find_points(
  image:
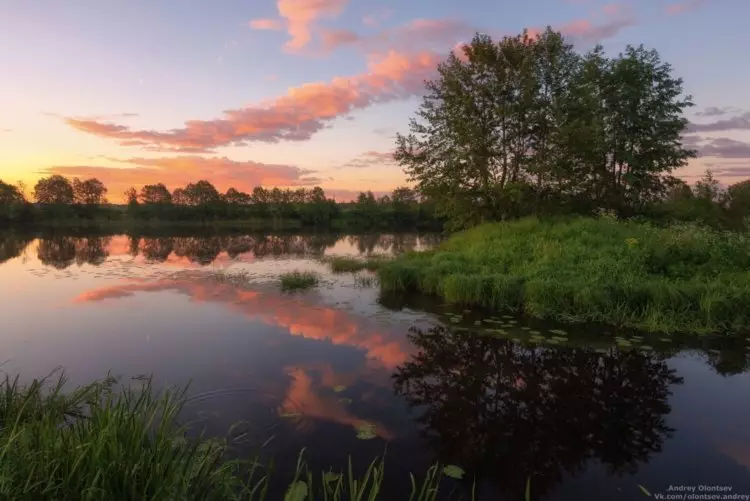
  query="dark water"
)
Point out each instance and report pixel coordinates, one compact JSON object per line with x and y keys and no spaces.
{"x":588,"y":413}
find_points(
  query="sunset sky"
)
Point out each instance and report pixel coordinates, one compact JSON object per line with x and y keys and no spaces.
{"x":305,"y":92}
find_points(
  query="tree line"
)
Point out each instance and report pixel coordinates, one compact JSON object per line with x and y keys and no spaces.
{"x":528,"y":125}
{"x":58,"y":198}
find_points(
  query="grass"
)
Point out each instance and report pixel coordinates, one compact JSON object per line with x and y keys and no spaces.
{"x":298,"y":280}
{"x":676,"y":279}
{"x":96,"y":443}
{"x":343,"y":264}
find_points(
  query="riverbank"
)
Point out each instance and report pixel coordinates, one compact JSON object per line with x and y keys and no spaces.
{"x":674,"y":279}
{"x":103,"y":442}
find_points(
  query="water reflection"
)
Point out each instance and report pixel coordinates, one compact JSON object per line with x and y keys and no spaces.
{"x":504,"y":410}
{"x":61,"y":251}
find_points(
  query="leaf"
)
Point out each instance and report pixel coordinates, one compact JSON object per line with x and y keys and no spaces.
{"x":339,"y":388}
{"x":644,"y":490}
{"x":330,"y":476}
{"x":453,"y":471}
{"x":296,"y":492}
{"x":289,"y":415}
{"x":366,"y":431}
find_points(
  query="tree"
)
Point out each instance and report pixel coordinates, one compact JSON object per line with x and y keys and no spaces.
{"x":155,"y":194}
{"x":89,"y":192}
{"x":260,"y":195}
{"x":236,"y":197}
{"x":707,"y":188}
{"x":404,"y":196}
{"x":10,"y":195}
{"x":179,"y":197}
{"x":201,"y":193}
{"x":527,"y":120}
{"x":55,"y":189}
{"x":131,"y":196}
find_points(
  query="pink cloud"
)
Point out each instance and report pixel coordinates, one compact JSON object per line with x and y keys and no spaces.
{"x":374,"y":19}
{"x":301,"y":15}
{"x":266,"y":24}
{"x":682,"y":7}
{"x":297,"y":116}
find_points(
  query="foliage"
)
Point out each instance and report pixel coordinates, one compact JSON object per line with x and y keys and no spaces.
{"x":528,"y":125}
{"x":95,"y":443}
{"x":89,"y":192}
{"x":682,"y":278}
{"x":342,"y":264}
{"x":55,"y":189}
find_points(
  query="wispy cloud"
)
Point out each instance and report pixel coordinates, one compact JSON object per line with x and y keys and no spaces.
{"x":682,"y":7}
{"x":299,"y":18}
{"x":714,"y":111}
{"x":737,"y":122}
{"x":371,"y":159}
{"x":296,"y":116}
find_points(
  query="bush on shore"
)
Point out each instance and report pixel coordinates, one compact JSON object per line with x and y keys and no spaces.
{"x":681,"y":278}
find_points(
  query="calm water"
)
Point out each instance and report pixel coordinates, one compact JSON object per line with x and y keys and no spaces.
{"x":589,"y":413}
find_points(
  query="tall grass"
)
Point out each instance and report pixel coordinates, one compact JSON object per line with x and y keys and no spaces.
{"x":101,"y":442}
{"x":343,"y":264}
{"x":681,"y":278}
{"x":298,"y":280}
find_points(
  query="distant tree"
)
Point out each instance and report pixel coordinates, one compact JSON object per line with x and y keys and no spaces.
{"x":316,"y":195}
{"x":89,"y":192}
{"x":55,"y":189}
{"x":366,"y":198}
{"x":404,"y":195}
{"x":10,"y":195}
{"x":201,"y":193}
{"x":179,"y":197}
{"x":739,"y":199}
{"x":235,"y":197}
{"x":260,"y":195}
{"x":677,"y":190}
{"x":131,"y":196}
{"x":708,"y":188}
{"x":155,"y":194}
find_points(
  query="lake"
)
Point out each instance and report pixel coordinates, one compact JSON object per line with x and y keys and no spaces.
{"x":588,"y":412}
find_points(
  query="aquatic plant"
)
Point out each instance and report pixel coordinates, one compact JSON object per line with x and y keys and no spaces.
{"x":344,"y":264}
{"x":680,"y":278}
{"x":101,"y":441}
{"x":298,"y":280}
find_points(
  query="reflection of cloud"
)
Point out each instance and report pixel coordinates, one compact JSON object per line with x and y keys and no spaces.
{"x":300,"y":318}
{"x":304,"y":397}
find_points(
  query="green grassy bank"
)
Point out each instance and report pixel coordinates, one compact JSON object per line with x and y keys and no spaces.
{"x":102,"y":442}
{"x":674,"y":279}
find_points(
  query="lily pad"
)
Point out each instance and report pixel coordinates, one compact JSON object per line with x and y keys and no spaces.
{"x":297,"y":492}
{"x":366,"y":431}
{"x":345,"y":401}
{"x":290,"y":415}
{"x":339,"y":388}
{"x":559,"y":332}
{"x":477,"y":322}
{"x":453,"y":471}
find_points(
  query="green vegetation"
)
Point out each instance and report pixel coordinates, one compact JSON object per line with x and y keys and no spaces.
{"x":343,"y":264}
{"x":681,"y":278}
{"x":298,"y":280}
{"x":60,"y":202}
{"x":528,"y":125}
{"x":95,"y":443}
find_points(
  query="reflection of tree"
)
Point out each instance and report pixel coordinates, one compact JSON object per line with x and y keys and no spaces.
{"x":59,"y":252}
{"x":135,"y":243}
{"x":12,"y":245}
{"x":91,"y":250}
{"x":157,"y":249}
{"x":728,"y":355}
{"x":201,"y":250}
{"x":508,"y":411}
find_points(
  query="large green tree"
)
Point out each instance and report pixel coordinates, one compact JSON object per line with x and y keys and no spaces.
{"x":527,"y":124}
{"x":89,"y":192}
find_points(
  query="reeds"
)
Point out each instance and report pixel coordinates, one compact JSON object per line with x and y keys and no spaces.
{"x":681,"y":278}
{"x":298,"y":280}
{"x":101,"y":442}
{"x":343,"y":264}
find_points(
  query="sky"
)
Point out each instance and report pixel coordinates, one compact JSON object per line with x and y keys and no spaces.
{"x":297,"y":93}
